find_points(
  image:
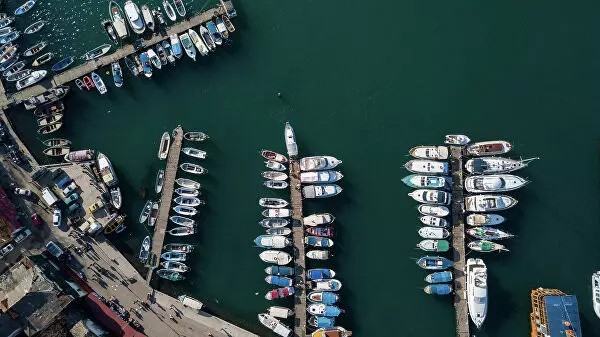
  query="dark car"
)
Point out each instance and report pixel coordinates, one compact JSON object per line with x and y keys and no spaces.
{"x":36,"y":220}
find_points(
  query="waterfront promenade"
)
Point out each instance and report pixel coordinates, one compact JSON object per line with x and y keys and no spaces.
{"x":299,"y":254}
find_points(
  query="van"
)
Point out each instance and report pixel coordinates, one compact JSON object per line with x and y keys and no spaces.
{"x":64,"y":182}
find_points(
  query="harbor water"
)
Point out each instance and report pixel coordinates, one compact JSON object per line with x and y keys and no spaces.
{"x":364,"y":82}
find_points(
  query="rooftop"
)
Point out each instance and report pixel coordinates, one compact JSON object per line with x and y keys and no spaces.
{"x":563,"y":315}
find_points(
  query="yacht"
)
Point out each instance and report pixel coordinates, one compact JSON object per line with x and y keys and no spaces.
{"x":134,"y":17}
{"x":477,"y":294}
{"x":596,"y":292}
{"x":494,"y":183}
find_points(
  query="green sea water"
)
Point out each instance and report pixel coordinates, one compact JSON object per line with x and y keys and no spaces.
{"x":363,"y":81}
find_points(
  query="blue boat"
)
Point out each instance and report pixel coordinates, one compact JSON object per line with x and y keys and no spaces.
{"x":321,"y":322}
{"x":174,"y":256}
{"x":176,"y":46}
{"x":320,"y":274}
{"x":214,"y":33}
{"x":434,"y":263}
{"x":316,"y":241}
{"x":280,"y":270}
{"x":63,"y":64}
{"x":438,"y":289}
{"x":117,"y":74}
{"x":10,"y":37}
{"x":423,"y":181}
{"x":9,"y":63}
{"x":24,"y":8}
{"x":272,"y":241}
{"x":167,"y":47}
{"x":146,"y":65}
{"x":330,"y":285}
{"x":279,"y":281}
{"x":324,"y":297}
{"x":439,"y":277}
{"x":319,"y":309}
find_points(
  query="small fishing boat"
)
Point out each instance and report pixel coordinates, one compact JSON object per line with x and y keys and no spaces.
{"x":146,"y":65}
{"x":434,"y":263}
{"x":431,"y":245}
{"x":188,"y":183}
{"x":6,"y":21}
{"x":318,"y":219}
{"x":117,"y":74}
{"x":63,"y":64}
{"x":279,"y":231}
{"x":214,"y":33}
{"x":188,"y":46}
{"x":80,"y":84}
{"x":273,"y":165}
{"x":202,"y":49}
{"x":494,"y":183}
{"x":159,"y":182}
{"x":274,"y":325}
{"x":180,"y":7}
{"x":434,"y":221}
{"x":50,"y":119}
{"x":185,"y":210}
{"x":170,"y":275}
{"x":490,"y":148}
{"x":176,"y":45}
{"x":457,"y":140}
{"x":438,"y":289}
{"x":484,"y":219}
{"x":320,"y":309}
{"x":431,"y":196}
{"x":49,"y":109}
{"x":89,"y":84}
{"x":97,"y":52}
{"x":115,"y":197}
{"x":318,"y":254}
{"x":274,"y":222}
{"x":163,"y":149}
{"x":153,"y":215}
{"x":174,"y":256}
{"x":326,"y":232}
{"x":131,"y":65}
{"x":192,"y":152}
{"x":320,"y":274}
{"x":488,"y":233}
{"x":276,"y":257}
{"x":277,"y":213}
{"x":433,"y":233}
{"x":145,"y":249}
{"x":484,"y":246}
{"x":154,"y":59}
{"x":273,"y":156}
{"x":49,"y":128}
{"x":80,"y":156}
{"x":279,"y":281}
{"x":279,"y":293}
{"x":337,"y":331}
{"x":488,"y":165}
{"x":169,"y":10}
{"x":273,"y":202}
{"x":6,"y":65}
{"x":321,"y":191}
{"x":280,"y":312}
{"x":187,"y":192}
{"x":439,"y":277}
{"x":477,"y":293}
{"x":228,"y":24}
{"x":56,"y":142}
{"x":175,"y":266}
{"x":24,"y":8}
{"x":7,"y":52}
{"x":321,"y":322}
{"x":320,"y":177}
{"x":167,"y":47}
{"x":423,"y":181}
{"x":188,"y":201}
{"x":325,"y":297}
{"x":196,"y":136}
{"x":596,"y":292}
{"x":274,"y":175}
{"x":145,"y":211}
{"x":162,"y":54}
{"x":224,"y":32}
{"x":317,"y":241}
{"x":279,"y":270}
{"x":433,"y":210}
{"x":326,"y":285}
{"x":6,"y":30}
{"x":489,"y":203}
{"x":32,"y":79}
{"x":426,"y":166}
{"x":275,"y":184}
{"x":193,"y":168}
{"x":178,"y":247}
{"x":56,"y":151}
{"x":107,"y":171}
{"x":118,"y":19}
{"x":20,"y":75}
{"x":99,"y":83}
{"x":42,"y":59}
{"x":35,"y":27}
{"x":182,"y":221}
{"x":208,"y":41}
{"x":134,"y":17}
{"x":147,"y":16}
{"x":318,"y":163}
{"x":429,"y":152}
{"x":181,"y":231}
{"x":159,"y":17}
{"x":50,"y":95}
{"x":110,"y":31}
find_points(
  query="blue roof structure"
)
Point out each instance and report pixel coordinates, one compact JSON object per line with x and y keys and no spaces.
{"x":563,"y":315}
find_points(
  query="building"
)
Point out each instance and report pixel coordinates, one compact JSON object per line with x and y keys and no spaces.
{"x":8,"y":217}
{"x":554,"y":313}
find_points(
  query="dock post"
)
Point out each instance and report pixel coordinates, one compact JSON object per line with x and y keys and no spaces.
{"x":299,"y":255}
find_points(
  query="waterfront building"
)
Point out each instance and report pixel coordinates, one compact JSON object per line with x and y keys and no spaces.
{"x":8,"y":217}
{"x":554,"y":313}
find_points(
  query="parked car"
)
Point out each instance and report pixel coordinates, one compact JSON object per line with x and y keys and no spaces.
{"x":7,"y":249}
{"x":21,"y":234}
{"x":71,"y":198}
{"x":56,"y":217}
{"x":70,"y":188}
{"x":96,"y":206}
{"x":22,"y":191}
{"x":36,"y":220}
{"x":53,"y":249}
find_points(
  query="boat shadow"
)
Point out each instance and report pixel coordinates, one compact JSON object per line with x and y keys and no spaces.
{"x":498,"y":313}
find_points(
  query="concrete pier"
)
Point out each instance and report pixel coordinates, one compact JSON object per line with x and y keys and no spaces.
{"x":299,"y":254}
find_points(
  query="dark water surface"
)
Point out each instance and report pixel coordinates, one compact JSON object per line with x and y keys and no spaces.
{"x":364,"y":81}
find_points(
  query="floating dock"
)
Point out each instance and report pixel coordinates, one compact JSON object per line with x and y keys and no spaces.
{"x":299,"y":254}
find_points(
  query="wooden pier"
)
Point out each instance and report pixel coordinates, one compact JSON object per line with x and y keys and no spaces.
{"x":458,"y":243}
{"x":71,"y":74}
{"x":165,"y":200}
{"x":299,"y":254}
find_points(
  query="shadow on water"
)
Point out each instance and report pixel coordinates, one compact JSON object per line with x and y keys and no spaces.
{"x":500,"y":311}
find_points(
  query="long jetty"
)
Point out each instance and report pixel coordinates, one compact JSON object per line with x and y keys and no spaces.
{"x":7,"y":100}
{"x":165,"y":200}
{"x":458,"y":243}
{"x":299,"y":256}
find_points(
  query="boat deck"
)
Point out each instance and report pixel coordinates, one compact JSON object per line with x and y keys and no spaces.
{"x":458,"y":243}
{"x":299,"y":254}
{"x":165,"y":200}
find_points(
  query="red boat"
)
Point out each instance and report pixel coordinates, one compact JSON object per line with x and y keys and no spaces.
{"x":279,"y":293}
{"x":89,"y":84}
{"x":326,"y":232}
{"x":274,"y":156}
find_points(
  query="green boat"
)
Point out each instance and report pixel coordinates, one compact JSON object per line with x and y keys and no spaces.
{"x":434,"y":245}
{"x":485,"y":246}
{"x":170,"y":275}
{"x":423,"y":181}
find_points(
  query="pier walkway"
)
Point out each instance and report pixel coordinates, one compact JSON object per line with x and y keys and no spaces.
{"x":299,"y":255}
{"x":165,"y":200}
{"x":458,"y":243}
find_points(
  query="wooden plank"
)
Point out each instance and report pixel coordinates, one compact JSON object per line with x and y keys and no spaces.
{"x":299,"y":254}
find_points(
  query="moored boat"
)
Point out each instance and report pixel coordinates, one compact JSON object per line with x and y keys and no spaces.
{"x":222,"y":29}
{"x":429,"y":152}
{"x":163,"y":148}
{"x":167,"y":47}
{"x":494,"y":183}
{"x":273,"y":165}
{"x":488,"y":233}
{"x":63,"y":64}
{"x":115,"y":197}
{"x":197,"y":40}
{"x":147,"y":16}
{"x":206,"y":38}
{"x":180,"y":7}
{"x":15,"y":68}
{"x":49,"y":128}
{"x":276,"y":184}
{"x":56,"y":142}
{"x":181,"y":231}
{"x":317,"y":241}
{"x":457,"y":140}
{"x":484,"y":246}
{"x":118,"y":19}
{"x":32,"y":79}
{"x":279,"y":270}
{"x":596,"y":292}
{"x":274,"y":324}
{"x":274,"y":156}
{"x":52,"y":94}
{"x":145,"y":211}
{"x":110,"y":31}
{"x":169,"y":10}
{"x":162,"y":54}
{"x":35,"y":27}
{"x":154,"y":59}
{"x":487,"y":165}
{"x":484,"y":219}
{"x":325,"y":297}
{"x":431,"y":196}
{"x":97,"y":52}
{"x":185,"y":210}
{"x":178,"y":247}
{"x":326,"y":232}
{"x":274,"y":222}
{"x":99,"y":83}
{"x":188,"y":201}
{"x":276,"y":257}
{"x":182,"y":221}
{"x":318,"y":254}
{"x":318,"y":322}
{"x":439,"y":277}
{"x":326,"y":285}
{"x":320,"y":274}
{"x":19,"y":75}
{"x":160,"y":181}
{"x":280,"y":312}
{"x":318,"y":163}
{"x":187,"y":192}
{"x":280,"y":281}
{"x":153,"y":214}
{"x":318,"y":219}
{"x":430,"y":245}
{"x":423,"y":181}
{"x":434,"y":221}
{"x":214,"y":33}
{"x":489,"y":202}
{"x":117,"y":74}
{"x":56,"y":151}
{"x":80,"y":156}
{"x":337,"y":331}
{"x":320,"y":309}
{"x":192,"y":152}
{"x":36,"y":48}
{"x":228,"y":24}
{"x":134,"y":17}
{"x":176,"y":45}
{"x":434,"y":263}
{"x":273,"y":202}
{"x":195,"y":136}
{"x":426,"y":166}
{"x":89,"y":84}
{"x":433,"y":233}
{"x":274,"y":175}
{"x":321,"y":191}
{"x":188,"y":46}
{"x":320,"y":177}
{"x":438,"y":289}
{"x":174,"y":256}
{"x":5,"y":21}
{"x":490,"y":148}
{"x":193,"y":168}
{"x":279,"y":231}
{"x":146,"y":65}
{"x":170,"y":275}
{"x":176,"y":266}
{"x":50,"y":108}
{"x":55,"y":118}
{"x":42,"y":59}
{"x":145,"y":249}
{"x":24,"y":8}
{"x":288,"y":132}
{"x":188,"y":183}
{"x":277,"y":213}
{"x":477,"y":293}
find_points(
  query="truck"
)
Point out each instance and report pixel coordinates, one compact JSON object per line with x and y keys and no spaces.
{"x":49,"y":196}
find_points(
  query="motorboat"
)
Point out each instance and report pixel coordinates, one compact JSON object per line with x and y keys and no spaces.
{"x":56,"y":142}
{"x":326,"y":232}
{"x":596,"y":292}
{"x":280,"y":312}
{"x":57,"y":151}
{"x":167,"y":47}
{"x":491,"y":165}
{"x":318,"y":254}
{"x":118,"y":19}
{"x":489,"y":203}
{"x":197,"y":40}
{"x":431,"y":196}
{"x":170,"y":275}
{"x":49,"y":109}
{"x":424,"y":181}
{"x":484,"y":246}
{"x":279,"y":270}
{"x":19,"y":75}
{"x":320,"y":309}
{"x":494,"y":183}
{"x":318,"y":219}
{"x":434,"y":221}
{"x":185,"y":210}
{"x":324,"y":285}
{"x":318,"y":322}
{"x":429,"y":152}
{"x":107,"y":171}
{"x":274,"y":175}
{"x":147,"y":16}
{"x":477,"y":292}
{"x":321,"y":191}
{"x":180,"y":7}
{"x":317,"y":241}
{"x":434,"y":263}
{"x":274,"y":222}
{"x":47,"y":57}
{"x":182,"y":221}
{"x":274,"y":324}
{"x":325,"y":297}
{"x":273,"y":202}
{"x":433,"y":233}
{"x":188,"y":201}
{"x":484,"y":219}
{"x":176,"y":45}
{"x":434,"y":245}
{"x":162,"y":54}
{"x":163,"y":148}
{"x":337,"y":331}
{"x":154,"y":59}
{"x":115,"y":197}
{"x":97,"y":52}
{"x":174,"y":256}
{"x":176,"y":266}
{"x":117,"y":74}
{"x":188,"y":183}
{"x":24,"y":8}
{"x":52,"y":94}
{"x":110,"y":31}
{"x":276,"y":184}
{"x":214,"y":33}
{"x":427,"y":166}
{"x":32,"y":79}
{"x":49,"y":128}
{"x":192,"y":152}
{"x":273,"y":165}
{"x":320,"y":177}
{"x":222,"y":29}
{"x":274,"y":156}
{"x":459,"y":140}
{"x":228,"y":24}
{"x":276,"y":257}
{"x":488,"y":233}
{"x":145,"y":211}
{"x":181,"y":231}
{"x":272,"y":241}
{"x":178,"y":247}
{"x":146,"y":65}
{"x":277,"y":213}
{"x":187,"y":192}
{"x":35,"y":27}
{"x":438,"y":289}
{"x":99,"y":83}
{"x":145,"y":249}
{"x":169,"y":10}
{"x":439,"y":277}
{"x":134,"y":17}
{"x":80,"y":156}
{"x":490,"y":148}
{"x":7,"y":65}
{"x":153,"y":215}
{"x":318,"y":163}
{"x":195,"y":136}
{"x":279,"y":231}
{"x":131,"y":65}
{"x":206,"y":38}
{"x":49,"y":119}
{"x":188,"y":46}
{"x":160,"y":181}
{"x":288,"y":133}
{"x":63,"y":64}
{"x":193,"y":168}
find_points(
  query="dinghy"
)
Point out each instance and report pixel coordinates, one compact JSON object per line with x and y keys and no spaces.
{"x":115,"y":197}
{"x":187,"y":192}
{"x":145,"y":249}
{"x":325,"y":285}
{"x":182,"y":221}
{"x":188,"y":201}
{"x":279,"y":293}
{"x":316,"y":241}
{"x":280,"y":312}
{"x":318,"y":219}
{"x":174,"y":256}
{"x":320,"y":309}
{"x":160,"y":181}
{"x":484,"y":219}
{"x":273,"y":165}
{"x":488,"y":233}
{"x":434,"y":263}
{"x":273,"y":156}
{"x":274,"y":175}
{"x":431,"y":197}
{"x":490,"y":148}
{"x":320,"y":177}
{"x":275,"y":257}
{"x":318,"y":254}
{"x":185,"y":210}
{"x":49,"y":119}
{"x":274,"y":223}
{"x":56,"y":142}
{"x":457,"y":140}
{"x":97,"y":52}
{"x":423,"y":181}
{"x":324,"y":297}
{"x":430,"y":245}
{"x":319,"y":163}
{"x":321,"y":191}
{"x":320,"y":274}
{"x":426,"y":166}
{"x":169,"y":10}
{"x":277,"y":213}
{"x":24,"y":8}
{"x":170,"y":275}
{"x":145,"y":211}
{"x":279,"y":281}
{"x":494,"y":183}
{"x":153,"y":214}
{"x":192,"y":152}
{"x":181,"y":231}
{"x":187,"y":183}
{"x":489,"y":203}
{"x":279,"y":270}
{"x":429,"y":152}
{"x":49,"y":128}
{"x":79,"y":84}
{"x":279,"y":231}
{"x":272,"y":241}
{"x":175,"y":266}
{"x":438,"y":289}
{"x":63,"y":64}
{"x":206,"y":38}
{"x":180,"y":7}
{"x":196,"y":136}
{"x":439,"y":277}
{"x":273,"y":202}
{"x":274,"y":325}
{"x":489,"y":165}
{"x":484,"y":246}
{"x":326,"y":232}
{"x":321,"y":322}
{"x":433,"y":233}
{"x":178,"y":247}
{"x":434,"y":221}
{"x":193,"y":168}
{"x":477,"y":293}
{"x":56,"y":151}
{"x":275,"y":184}
{"x":188,"y":46}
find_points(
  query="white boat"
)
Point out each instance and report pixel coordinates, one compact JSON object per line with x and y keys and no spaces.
{"x":196,"y":136}
{"x":274,"y":222}
{"x":182,"y":221}
{"x":274,"y":325}
{"x":435,"y":210}
{"x":429,"y":152}
{"x":147,"y":15}
{"x":272,"y":241}
{"x":134,"y":17}
{"x":490,"y":148}
{"x":276,"y":257}
{"x":154,"y":59}
{"x":187,"y":183}
{"x":318,"y":219}
{"x":434,"y":221}
{"x":318,"y":254}
{"x":193,"y":168}
{"x":317,"y":163}
{"x":188,"y":201}
{"x":32,"y":79}
{"x":188,"y":46}
{"x":153,"y":215}
{"x":280,"y":312}
{"x":206,"y":38}
{"x":197,"y":40}
{"x":279,"y":231}
{"x":115,"y":197}
{"x":160,"y":181}
{"x":273,"y":165}
{"x":487,"y":165}
{"x":431,"y":197}
{"x":290,"y":140}
{"x":277,"y":213}
{"x":477,"y":293}
{"x":494,"y":183}
{"x":192,"y":152}
{"x":484,"y":219}
{"x":273,"y":202}
{"x":163,"y":149}
{"x":489,"y":202}
{"x":457,"y":140}
{"x":185,"y":210}
{"x":118,"y":20}
{"x":433,"y":233}
{"x":426,"y":166}
{"x":106,"y":170}
{"x":187,"y":192}
{"x":175,"y":266}
{"x":276,"y":184}
{"x":596,"y":292}
{"x":321,"y":191}
{"x":274,"y":175}
{"x":190,"y":302}
{"x":181,"y":231}
{"x":169,"y":10}
{"x":320,"y":177}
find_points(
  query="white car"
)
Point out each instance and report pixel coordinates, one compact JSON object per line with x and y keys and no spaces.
{"x":21,"y":234}
{"x":7,"y":249}
{"x":70,"y":188}
{"x":56,"y":217}
{"x":21,"y":191}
